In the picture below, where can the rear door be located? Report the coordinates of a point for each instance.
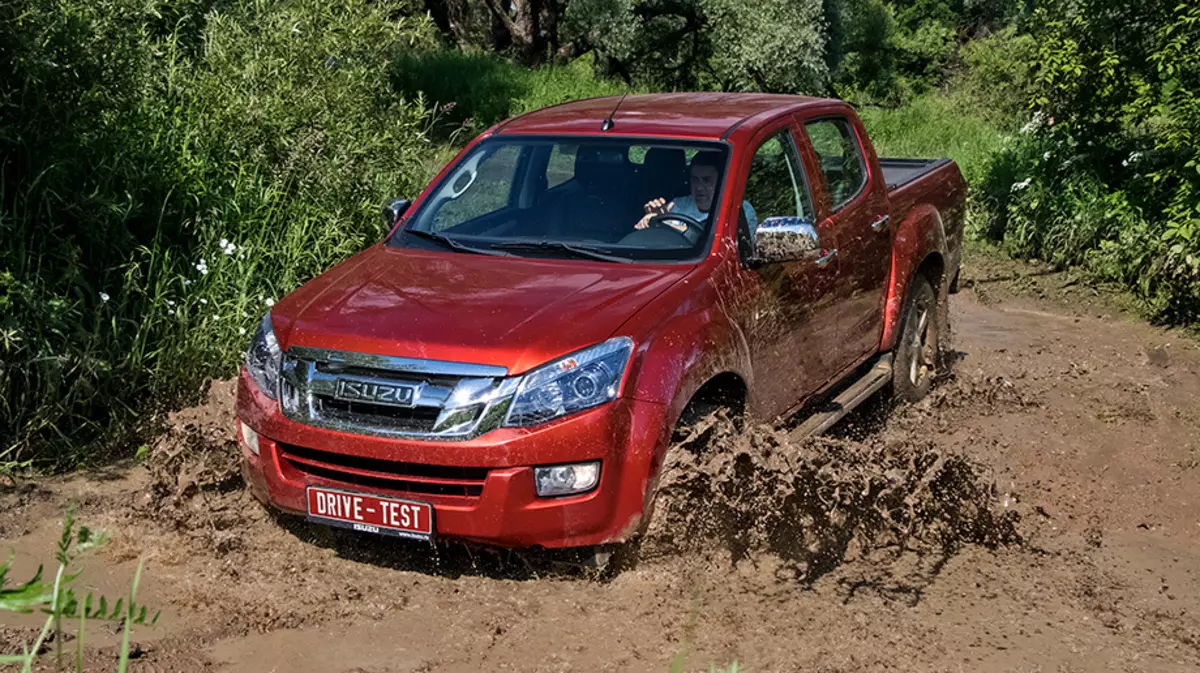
(853, 203)
(790, 318)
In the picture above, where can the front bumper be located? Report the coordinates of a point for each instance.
(489, 496)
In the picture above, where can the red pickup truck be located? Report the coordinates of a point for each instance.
(509, 364)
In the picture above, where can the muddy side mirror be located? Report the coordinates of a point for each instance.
(393, 211)
(784, 239)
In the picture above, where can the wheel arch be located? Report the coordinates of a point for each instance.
(919, 248)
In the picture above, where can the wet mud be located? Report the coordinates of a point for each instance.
(752, 490)
(1037, 511)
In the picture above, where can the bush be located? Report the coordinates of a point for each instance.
(476, 90)
(168, 171)
(997, 76)
(1107, 172)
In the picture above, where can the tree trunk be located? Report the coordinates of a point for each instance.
(452, 18)
(524, 29)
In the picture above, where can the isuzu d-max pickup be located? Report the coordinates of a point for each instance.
(508, 365)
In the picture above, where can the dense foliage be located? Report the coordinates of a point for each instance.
(168, 168)
(1106, 173)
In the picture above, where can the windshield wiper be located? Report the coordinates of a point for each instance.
(448, 242)
(577, 250)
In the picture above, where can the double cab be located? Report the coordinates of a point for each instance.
(509, 363)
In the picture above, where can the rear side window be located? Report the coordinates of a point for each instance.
(840, 157)
(561, 166)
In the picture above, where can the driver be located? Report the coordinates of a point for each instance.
(704, 174)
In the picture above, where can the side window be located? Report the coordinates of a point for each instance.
(840, 157)
(776, 186)
(561, 166)
(488, 192)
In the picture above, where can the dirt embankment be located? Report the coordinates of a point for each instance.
(1038, 511)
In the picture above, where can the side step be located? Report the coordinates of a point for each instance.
(832, 411)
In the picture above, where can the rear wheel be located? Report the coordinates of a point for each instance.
(916, 352)
(954, 283)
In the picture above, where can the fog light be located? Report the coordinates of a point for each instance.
(249, 438)
(566, 479)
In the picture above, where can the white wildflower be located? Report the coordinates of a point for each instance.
(1046, 156)
(171, 311)
(170, 302)
(186, 282)
(104, 296)
(202, 267)
(1124, 162)
(203, 300)
(223, 242)
(242, 331)
(269, 302)
(1039, 118)
(1018, 186)
(227, 247)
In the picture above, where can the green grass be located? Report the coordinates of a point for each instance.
(935, 126)
(474, 91)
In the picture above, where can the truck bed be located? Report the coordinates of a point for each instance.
(900, 172)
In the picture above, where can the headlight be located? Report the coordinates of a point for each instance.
(263, 357)
(585, 379)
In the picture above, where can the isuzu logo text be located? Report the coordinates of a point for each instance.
(375, 393)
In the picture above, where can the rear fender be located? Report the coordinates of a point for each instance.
(921, 234)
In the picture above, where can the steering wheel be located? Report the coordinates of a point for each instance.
(659, 234)
(662, 220)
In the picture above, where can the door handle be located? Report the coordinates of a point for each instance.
(881, 224)
(826, 259)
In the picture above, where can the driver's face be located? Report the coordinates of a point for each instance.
(704, 186)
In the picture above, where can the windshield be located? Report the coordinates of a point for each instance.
(609, 199)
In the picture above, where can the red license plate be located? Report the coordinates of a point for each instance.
(369, 513)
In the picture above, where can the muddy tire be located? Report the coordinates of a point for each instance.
(917, 348)
(954, 287)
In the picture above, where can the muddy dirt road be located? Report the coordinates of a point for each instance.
(1072, 542)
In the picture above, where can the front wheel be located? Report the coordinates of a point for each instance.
(916, 352)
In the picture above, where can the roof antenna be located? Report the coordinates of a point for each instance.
(607, 124)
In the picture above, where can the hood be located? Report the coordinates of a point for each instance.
(513, 312)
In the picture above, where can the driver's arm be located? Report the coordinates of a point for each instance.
(652, 208)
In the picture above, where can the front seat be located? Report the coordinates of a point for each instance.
(591, 208)
(663, 174)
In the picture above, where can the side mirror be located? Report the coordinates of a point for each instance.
(785, 239)
(393, 211)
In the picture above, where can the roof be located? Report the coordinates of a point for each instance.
(692, 115)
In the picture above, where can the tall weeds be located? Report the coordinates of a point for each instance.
(169, 169)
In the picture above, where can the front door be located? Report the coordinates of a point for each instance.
(790, 318)
(854, 204)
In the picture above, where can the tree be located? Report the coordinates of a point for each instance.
(527, 28)
(769, 45)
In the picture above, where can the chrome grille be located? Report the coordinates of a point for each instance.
(450, 400)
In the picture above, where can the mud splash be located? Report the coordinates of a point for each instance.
(817, 502)
(192, 466)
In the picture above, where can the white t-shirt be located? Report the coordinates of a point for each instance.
(686, 205)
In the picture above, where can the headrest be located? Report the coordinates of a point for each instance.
(665, 161)
(596, 163)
